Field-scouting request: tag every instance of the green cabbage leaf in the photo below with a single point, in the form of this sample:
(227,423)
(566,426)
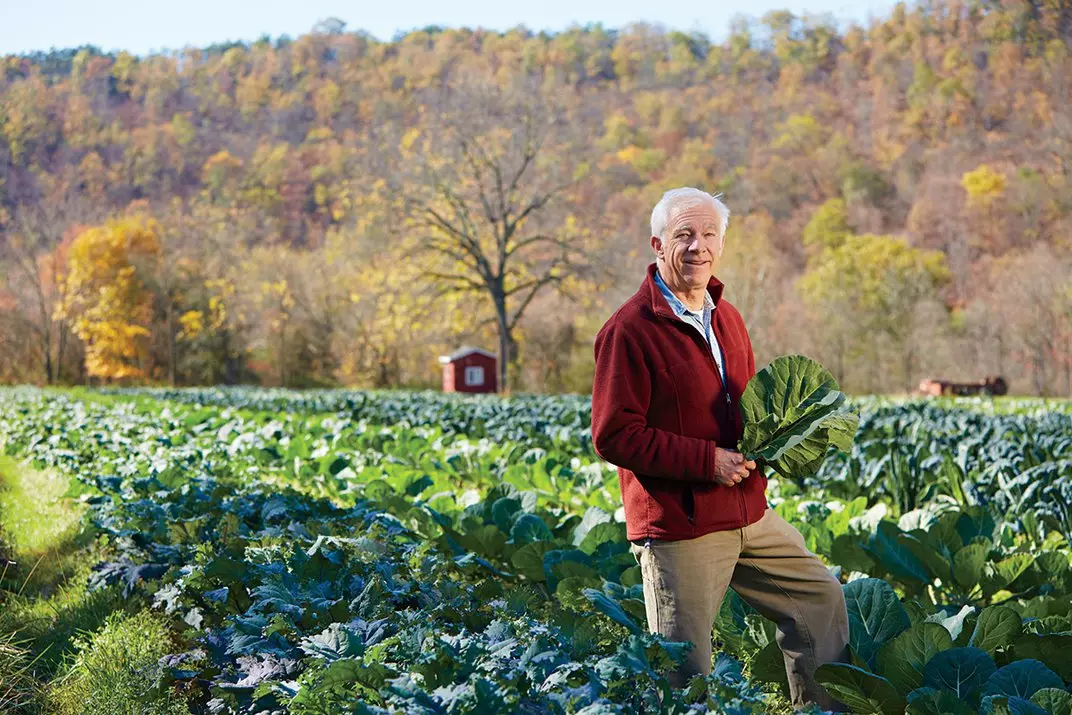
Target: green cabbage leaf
(794,411)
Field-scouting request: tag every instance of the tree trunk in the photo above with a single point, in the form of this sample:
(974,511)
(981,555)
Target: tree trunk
(48,354)
(171,343)
(507,344)
(1039,371)
(283,356)
(908,369)
(1068,367)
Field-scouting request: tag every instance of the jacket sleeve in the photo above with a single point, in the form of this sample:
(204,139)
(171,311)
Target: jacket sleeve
(621,394)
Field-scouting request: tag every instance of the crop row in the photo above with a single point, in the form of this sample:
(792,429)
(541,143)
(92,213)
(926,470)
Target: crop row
(317,556)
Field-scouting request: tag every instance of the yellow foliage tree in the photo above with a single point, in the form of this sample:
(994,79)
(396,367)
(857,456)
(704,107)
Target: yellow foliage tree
(107,297)
(983,185)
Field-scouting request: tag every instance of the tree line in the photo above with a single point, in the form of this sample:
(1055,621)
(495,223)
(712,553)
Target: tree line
(334,209)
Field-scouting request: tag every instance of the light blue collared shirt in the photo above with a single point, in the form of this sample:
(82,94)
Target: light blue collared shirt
(701,320)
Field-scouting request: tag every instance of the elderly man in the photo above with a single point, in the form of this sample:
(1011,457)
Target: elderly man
(671,365)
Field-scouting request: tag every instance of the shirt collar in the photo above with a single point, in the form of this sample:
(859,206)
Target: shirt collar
(676,305)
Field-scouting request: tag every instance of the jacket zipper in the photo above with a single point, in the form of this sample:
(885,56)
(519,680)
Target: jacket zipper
(725,393)
(729,401)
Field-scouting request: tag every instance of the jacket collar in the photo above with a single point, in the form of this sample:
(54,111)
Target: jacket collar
(659,304)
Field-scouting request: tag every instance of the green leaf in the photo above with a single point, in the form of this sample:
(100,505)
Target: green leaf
(1022,678)
(847,552)
(333,643)
(886,547)
(602,533)
(632,576)
(1023,706)
(529,528)
(998,576)
(333,465)
(997,627)
(901,661)
(1009,705)
(592,517)
(875,603)
(528,560)
(928,555)
(793,412)
(855,659)
(768,666)
(968,564)
(937,702)
(343,672)
(607,606)
(503,512)
(566,563)
(862,691)
(731,624)
(486,540)
(1056,701)
(1055,650)
(964,671)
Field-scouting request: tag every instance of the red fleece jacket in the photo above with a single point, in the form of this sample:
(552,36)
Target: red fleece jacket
(659,409)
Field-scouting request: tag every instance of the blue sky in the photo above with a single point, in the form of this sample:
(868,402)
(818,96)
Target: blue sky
(141,26)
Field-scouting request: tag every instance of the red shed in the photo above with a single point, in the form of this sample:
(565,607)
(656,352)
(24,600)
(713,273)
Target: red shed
(469,369)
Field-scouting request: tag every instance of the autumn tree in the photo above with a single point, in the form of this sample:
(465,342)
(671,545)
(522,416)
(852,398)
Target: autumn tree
(870,286)
(107,297)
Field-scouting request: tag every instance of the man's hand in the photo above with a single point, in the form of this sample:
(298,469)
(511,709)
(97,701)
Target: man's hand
(731,467)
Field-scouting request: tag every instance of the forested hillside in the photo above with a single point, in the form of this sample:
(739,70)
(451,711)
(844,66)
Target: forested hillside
(335,209)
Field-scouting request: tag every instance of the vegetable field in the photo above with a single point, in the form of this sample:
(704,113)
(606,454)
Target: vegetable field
(347,552)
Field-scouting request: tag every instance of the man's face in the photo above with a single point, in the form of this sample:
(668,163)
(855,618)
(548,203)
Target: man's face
(689,249)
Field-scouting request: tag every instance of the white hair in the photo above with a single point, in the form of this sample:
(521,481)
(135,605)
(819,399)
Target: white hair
(676,200)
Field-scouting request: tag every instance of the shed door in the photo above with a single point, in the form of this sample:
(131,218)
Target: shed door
(474,375)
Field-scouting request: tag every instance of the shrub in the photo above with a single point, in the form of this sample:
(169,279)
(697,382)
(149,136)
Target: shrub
(115,670)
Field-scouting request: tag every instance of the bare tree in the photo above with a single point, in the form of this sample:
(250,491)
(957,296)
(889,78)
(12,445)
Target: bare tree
(485,186)
(33,250)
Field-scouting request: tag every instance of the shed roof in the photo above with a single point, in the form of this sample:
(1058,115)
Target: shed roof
(464,351)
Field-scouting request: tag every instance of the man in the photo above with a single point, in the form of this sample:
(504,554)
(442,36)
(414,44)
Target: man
(671,365)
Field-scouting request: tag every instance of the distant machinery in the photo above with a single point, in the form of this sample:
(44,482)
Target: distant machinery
(994,385)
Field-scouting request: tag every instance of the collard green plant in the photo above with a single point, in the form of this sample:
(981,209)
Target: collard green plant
(414,553)
(793,413)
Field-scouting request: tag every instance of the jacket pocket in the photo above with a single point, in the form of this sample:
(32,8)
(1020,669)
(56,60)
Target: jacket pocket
(688,503)
(695,392)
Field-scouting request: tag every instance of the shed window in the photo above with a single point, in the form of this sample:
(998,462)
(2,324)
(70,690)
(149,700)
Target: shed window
(474,375)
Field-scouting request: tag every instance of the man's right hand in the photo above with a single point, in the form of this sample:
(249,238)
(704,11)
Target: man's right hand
(731,467)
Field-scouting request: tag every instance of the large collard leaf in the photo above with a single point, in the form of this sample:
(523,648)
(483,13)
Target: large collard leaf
(928,701)
(1022,678)
(1009,705)
(997,627)
(901,660)
(963,671)
(793,413)
(878,610)
(862,691)
(1053,649)
(1056,701)
(768,666)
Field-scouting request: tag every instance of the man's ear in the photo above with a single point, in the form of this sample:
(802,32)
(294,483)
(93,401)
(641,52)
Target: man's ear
(657,246)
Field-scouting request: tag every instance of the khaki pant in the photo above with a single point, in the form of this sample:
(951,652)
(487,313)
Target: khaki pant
(768,566)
